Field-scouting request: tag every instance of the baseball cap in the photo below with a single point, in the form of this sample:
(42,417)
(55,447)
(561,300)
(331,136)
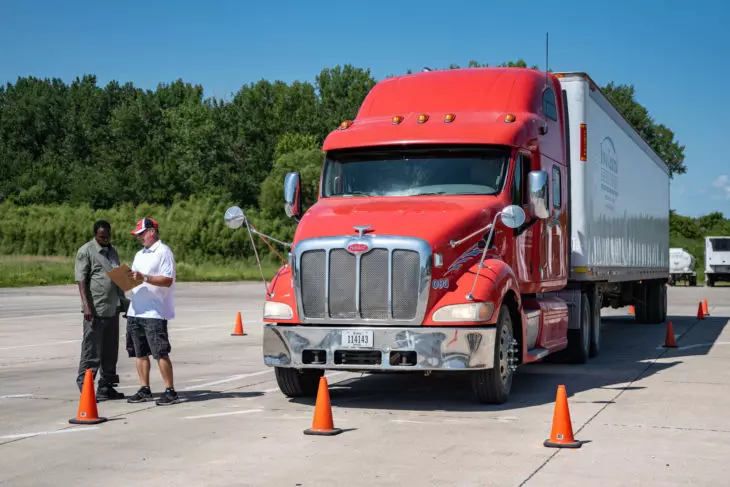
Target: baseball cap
(143,225)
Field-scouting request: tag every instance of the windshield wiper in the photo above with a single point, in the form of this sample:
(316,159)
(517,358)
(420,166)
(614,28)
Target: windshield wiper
(354,193)
(430,193)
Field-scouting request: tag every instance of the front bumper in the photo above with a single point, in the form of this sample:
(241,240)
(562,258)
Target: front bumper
(392,348)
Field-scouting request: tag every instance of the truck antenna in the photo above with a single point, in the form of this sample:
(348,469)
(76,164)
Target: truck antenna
(547,70)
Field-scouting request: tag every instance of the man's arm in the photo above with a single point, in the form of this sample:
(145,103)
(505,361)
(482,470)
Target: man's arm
(167,273)
(81,272)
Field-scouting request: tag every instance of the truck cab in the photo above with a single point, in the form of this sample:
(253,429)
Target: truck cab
(717,260)
(441,238)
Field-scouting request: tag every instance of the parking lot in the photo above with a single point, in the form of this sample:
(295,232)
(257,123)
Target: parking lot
(648,415)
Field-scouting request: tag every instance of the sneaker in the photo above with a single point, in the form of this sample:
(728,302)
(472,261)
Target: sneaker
(144,394)
(108,393)
(168,397)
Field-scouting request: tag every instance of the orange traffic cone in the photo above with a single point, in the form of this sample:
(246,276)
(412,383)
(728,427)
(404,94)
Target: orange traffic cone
(632,311)
(322,423)
(669,341)
(87,413)
(700,313)
(705,311)
(238,330)
(561,435)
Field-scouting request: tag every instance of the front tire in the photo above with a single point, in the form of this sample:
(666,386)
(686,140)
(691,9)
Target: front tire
(492,386)
(298,383)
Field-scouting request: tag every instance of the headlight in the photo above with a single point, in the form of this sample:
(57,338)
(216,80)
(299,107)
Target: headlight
(464,312)
(277,311)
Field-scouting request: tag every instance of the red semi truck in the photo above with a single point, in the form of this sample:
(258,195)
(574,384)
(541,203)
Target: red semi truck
(468,221)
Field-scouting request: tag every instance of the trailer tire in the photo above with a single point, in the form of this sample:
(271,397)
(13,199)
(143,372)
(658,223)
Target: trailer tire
(595,306)
(579,341)
(492,386)
(298,382)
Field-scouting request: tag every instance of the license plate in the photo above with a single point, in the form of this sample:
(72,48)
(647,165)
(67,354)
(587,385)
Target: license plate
(357,339)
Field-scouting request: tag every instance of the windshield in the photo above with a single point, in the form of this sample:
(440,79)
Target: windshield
(720,244)
(416,171)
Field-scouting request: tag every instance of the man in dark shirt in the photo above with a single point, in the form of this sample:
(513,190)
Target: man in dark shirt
(101,302)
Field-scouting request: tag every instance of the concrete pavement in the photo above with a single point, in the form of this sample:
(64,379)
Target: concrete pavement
(650,416)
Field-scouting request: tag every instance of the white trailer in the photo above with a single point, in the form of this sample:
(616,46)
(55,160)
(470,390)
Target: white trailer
(619,204)
(681,267)
(717,260)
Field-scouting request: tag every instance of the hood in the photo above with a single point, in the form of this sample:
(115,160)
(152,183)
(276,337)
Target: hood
(436,219)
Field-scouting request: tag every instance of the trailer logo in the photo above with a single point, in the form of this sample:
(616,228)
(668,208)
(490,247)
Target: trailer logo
(609,170)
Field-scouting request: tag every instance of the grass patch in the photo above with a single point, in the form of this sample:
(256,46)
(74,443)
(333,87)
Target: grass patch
(22,270)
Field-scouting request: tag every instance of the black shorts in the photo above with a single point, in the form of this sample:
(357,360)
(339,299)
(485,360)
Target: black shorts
(147,336)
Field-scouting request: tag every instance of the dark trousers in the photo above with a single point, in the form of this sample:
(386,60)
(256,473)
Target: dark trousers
(100,349)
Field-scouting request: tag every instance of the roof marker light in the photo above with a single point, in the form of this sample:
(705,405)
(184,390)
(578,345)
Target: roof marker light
(397,119)
(422,118)
(345,125)
(449,117)
(510,118)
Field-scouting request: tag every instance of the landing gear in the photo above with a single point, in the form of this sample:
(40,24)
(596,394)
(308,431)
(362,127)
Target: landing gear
(651,306)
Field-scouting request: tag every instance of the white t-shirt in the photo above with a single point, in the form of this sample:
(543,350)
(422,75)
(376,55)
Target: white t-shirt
(148,300)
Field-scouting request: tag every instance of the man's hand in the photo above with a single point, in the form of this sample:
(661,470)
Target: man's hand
(87,312)
(136,275)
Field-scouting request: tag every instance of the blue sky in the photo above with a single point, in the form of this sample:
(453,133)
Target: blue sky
(674,52)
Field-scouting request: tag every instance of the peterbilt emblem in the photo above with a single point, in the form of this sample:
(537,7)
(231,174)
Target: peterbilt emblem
(358,247)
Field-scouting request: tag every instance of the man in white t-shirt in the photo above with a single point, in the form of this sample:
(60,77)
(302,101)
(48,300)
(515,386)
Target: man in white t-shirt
(151,306)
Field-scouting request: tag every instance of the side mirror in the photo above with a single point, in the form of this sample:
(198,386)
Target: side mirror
(513,216)
(292,196)
(234,217)
(538,188)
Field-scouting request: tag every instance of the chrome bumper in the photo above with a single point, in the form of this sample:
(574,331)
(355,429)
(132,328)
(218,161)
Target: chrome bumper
(393,349)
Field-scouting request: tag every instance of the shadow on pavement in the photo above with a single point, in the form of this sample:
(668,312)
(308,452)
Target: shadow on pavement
(628,353)
(208,395)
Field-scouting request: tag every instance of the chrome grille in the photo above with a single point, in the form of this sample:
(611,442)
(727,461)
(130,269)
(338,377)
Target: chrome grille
(389,283)
(405,284)
(374,284)
(342,284)
(313,283)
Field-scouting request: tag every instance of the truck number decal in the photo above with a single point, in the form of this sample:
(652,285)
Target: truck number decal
(440,284)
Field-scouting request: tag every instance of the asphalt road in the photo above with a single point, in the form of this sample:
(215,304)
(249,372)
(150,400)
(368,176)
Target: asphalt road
(648,415)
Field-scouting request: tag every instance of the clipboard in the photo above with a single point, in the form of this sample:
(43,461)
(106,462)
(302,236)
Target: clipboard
(119,276)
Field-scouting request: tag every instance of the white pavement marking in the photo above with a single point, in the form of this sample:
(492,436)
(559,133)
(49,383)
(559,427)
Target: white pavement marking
(33,316)
(44,433)
(228,379)
(15,396)
(230,413)
(696,345)
(40,344)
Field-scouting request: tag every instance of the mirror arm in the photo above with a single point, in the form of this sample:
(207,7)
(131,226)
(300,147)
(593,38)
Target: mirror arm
(456,243)
(470,296)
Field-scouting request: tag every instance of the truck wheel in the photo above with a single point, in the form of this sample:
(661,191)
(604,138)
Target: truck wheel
(693,281)
(595,305)
(492,386)
(579,341)
(298,383)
